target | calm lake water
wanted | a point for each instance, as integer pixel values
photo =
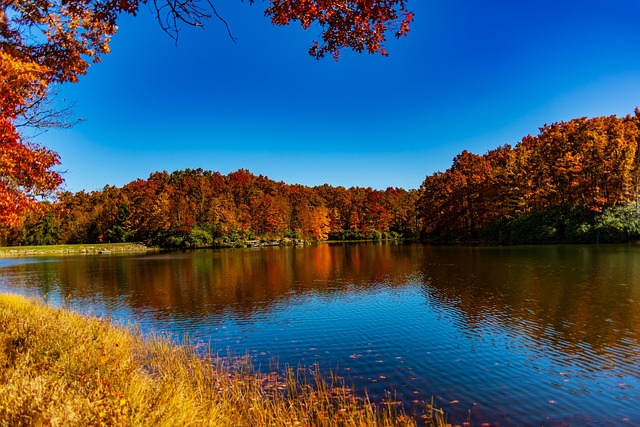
(509, 336)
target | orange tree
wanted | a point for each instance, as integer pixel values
(25, 168)
(42, 43)
(48, 42)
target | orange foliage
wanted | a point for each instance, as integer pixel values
(24, 168)
(45, 42)
(60, 36)
(584, 163)
(237, 206)
(42, 43)
(25, 175)
(319, 224)
(359, 25)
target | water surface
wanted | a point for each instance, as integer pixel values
(509, 336)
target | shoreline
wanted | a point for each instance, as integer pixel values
(123, 248)
(63, 368)
(74, 249)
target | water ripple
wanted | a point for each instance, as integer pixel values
(511, 336)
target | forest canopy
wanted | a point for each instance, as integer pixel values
(562, 180)
(576, 181)
(198, 208)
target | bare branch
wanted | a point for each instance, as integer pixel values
(170, 14)
(234, 39)
(39, 114)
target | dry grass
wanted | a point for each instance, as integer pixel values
(58, 368)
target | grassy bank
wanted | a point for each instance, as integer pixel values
(21, 251)
(63, 369)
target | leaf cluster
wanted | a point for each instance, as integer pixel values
(360, 25)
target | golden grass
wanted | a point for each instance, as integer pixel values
(58, 368)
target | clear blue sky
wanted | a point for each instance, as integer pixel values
(471, 75)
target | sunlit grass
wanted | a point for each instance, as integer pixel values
(62, 369)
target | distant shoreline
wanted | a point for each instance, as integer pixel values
(121, 248)
(78, 249)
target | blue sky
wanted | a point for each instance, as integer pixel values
(470, 75)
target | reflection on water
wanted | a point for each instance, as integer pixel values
(513, 336)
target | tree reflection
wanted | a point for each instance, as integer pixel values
(575, 300)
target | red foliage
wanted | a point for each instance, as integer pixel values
(360, 25)
(25, 175)
(584, 163)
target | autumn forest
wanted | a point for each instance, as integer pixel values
(575, 181)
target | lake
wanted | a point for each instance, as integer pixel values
(546, 335)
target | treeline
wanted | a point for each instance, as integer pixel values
(575, 181)
(198, 208)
